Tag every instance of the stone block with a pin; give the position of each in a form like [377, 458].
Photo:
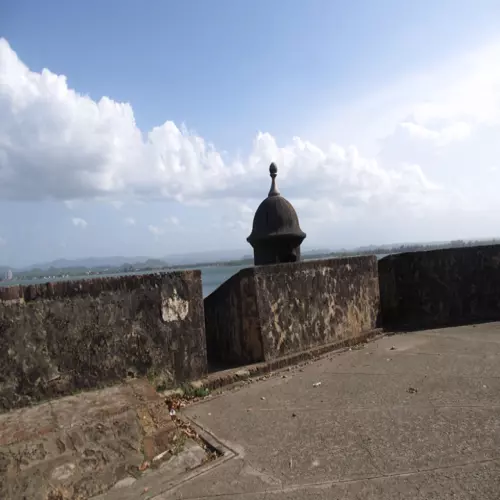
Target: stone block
[266, 312]
[440, 288]
[59, 338]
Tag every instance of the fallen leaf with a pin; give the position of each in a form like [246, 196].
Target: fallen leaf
[143, 466]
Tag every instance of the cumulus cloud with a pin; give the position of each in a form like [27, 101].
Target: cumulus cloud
[59, 144]
[78, 222]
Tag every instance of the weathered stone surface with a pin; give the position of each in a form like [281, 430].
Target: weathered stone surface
[160, 480]
[59, 338]
[265, 312]
[314, 303]
[440, 287]
[232, 323]
[82, 445]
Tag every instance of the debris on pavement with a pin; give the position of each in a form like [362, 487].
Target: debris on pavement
[263, 398]
[242, 374]
[316, 384]
[161, 455]
[358, 347]
[176, 403]
[143, 466]
[412, 390]
[179, 399]
[186, 429]
[392, 348]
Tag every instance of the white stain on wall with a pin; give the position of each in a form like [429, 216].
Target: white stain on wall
[174, 308]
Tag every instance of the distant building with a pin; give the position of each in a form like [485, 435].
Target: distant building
[8, 275]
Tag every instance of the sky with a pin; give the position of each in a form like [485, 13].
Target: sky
[147, 128]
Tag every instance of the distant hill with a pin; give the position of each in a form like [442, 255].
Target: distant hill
[90, 262]
[119, 261]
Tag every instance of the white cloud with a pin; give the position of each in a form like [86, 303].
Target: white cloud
[78, 222]
[434, 154]
[155, 230]
[129, 221]
[454, 132]
[172, 220]
[93, 149]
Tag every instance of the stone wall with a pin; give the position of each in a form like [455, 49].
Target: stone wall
[440, 287]
[265, 312]
[232, 322]
[59, 338]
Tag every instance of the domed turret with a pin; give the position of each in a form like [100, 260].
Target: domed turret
[276, 235]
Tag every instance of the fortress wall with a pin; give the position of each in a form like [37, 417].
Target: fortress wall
[266, 312]
[62, 337]
[232, 322]
[59, 338]
[439, 288]
[316, 303]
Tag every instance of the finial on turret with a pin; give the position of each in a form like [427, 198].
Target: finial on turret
[273, 171]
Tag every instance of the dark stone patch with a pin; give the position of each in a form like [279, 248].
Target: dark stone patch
[440, 287]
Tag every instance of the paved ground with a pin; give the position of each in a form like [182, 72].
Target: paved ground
[413, 416]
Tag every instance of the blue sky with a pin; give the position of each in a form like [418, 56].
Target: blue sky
[381, 117]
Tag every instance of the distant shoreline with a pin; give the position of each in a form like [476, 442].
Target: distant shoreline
[156, 265]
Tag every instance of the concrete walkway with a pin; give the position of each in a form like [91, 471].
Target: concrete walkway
[413, 416]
